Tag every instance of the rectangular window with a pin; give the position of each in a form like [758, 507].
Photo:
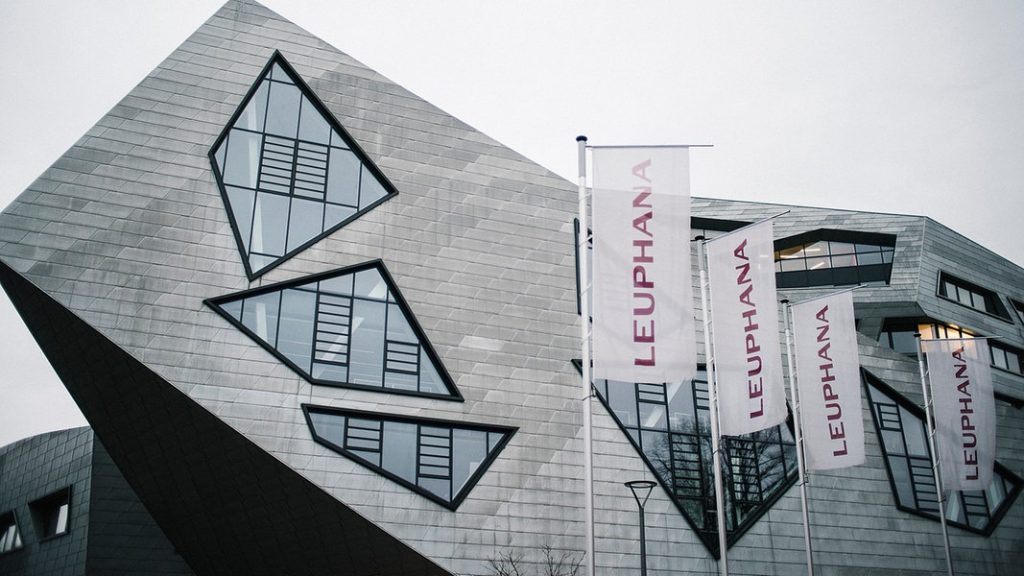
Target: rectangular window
[10, 535]
[51, 514]
[971, 296]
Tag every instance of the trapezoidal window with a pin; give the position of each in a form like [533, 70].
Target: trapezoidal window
[669, 425]
[972, 296]
[349, 327]
[51, 514]
[903, 436]
[438, 459]
[10, 534]
[289, 173]
[834, 258]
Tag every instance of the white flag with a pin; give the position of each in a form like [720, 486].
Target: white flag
[828, 376]
[965, 411]
[745, 330]
[643, 303]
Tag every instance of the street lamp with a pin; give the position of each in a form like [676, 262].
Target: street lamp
[641, 490]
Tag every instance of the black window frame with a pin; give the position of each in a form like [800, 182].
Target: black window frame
[1010, 480]
[217, 305]
[709, 537]
[1018, 307]
[8, 520]
[506, 432]
[42, 510]
[389, 188]
[837, 275]
[993, 303]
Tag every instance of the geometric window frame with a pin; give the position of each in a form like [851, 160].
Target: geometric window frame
[432, 435]
[329, 329]
[304, 168]
[10, 533]
[688, 465]
[915, 491]
[841, 258]
[51, 514]
[971, 296]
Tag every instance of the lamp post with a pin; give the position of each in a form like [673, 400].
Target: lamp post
[641, 490]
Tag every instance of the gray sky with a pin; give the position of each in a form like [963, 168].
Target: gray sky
[910, 107]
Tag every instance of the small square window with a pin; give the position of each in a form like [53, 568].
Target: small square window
[10, 534]
[50, 514]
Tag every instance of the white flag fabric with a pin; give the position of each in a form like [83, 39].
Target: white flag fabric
[745, 330]
[965, 413]
[643, 297]
[828, 379]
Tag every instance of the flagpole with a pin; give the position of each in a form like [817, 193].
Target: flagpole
[585, 384]
[716, 460]
[934, 457]
[786, 311]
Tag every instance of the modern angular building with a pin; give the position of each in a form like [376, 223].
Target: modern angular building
[322, 327]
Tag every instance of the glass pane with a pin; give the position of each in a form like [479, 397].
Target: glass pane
[283, 112]
[242, 162]
[913, 432]
[843, 260]
[469, 453]
[901, 478]
[791, 252]
[399, 456]
[329, 427]
[278, 73]
[817, 263]
[887, 255]
[62, 519]
[366, 356]
[816, 249]
[371, 457]
[837, 248]
[793, 265]
[241, 206]
[295, 335]
[622, 399]
[330, 373]
[259, 314]
[305, 223]
[336, 215]
[680, 406]
[343, 178]
[370, 284]
[398, 326]
[338, 285]
[255, 111]
[652, 416]
[437, 486]
[312, 125]
[904, 342]
[370, 189]
[867, 258]
[270, 223]
[430, 380]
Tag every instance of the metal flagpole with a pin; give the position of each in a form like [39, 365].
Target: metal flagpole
[934, 456]
[716, 460]
[588, 456]
[786, 311]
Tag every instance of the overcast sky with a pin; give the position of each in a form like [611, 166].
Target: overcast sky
[911, 107]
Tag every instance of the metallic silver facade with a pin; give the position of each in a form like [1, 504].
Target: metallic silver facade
[128, 231]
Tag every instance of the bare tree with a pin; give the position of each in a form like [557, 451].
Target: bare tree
[509, 563]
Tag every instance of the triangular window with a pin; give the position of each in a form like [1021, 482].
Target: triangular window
[349, 327]
[669, 425]
[288, 171]
[439, 459]
[902, 433]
